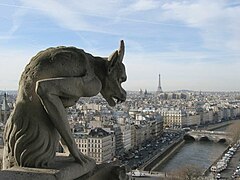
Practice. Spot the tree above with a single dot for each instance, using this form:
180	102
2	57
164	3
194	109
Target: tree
189	172
234	131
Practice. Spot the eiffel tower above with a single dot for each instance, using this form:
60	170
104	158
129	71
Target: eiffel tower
159	89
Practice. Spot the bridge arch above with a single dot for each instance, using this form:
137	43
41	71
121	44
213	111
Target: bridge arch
204	138
222	140
188	137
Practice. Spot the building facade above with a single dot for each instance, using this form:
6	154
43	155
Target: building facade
98	144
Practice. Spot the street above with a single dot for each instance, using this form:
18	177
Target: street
234	162
147	150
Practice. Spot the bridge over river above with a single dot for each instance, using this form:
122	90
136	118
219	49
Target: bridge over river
198	153
215	136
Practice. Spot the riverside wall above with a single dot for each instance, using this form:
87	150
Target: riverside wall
162	157
222	124
218	126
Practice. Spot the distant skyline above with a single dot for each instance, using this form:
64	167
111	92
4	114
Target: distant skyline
193	44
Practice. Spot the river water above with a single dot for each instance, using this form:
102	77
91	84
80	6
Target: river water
199	154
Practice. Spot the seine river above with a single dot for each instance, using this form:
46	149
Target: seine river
200	154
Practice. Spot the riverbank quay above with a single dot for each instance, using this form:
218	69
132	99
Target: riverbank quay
207	172
213	127
162	157
230	158
232	165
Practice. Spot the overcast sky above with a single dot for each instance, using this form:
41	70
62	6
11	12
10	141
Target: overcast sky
193	44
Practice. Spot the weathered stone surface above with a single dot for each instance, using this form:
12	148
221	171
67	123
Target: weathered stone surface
65	168
110	173
54	80
107	171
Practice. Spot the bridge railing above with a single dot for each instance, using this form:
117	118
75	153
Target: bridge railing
208	132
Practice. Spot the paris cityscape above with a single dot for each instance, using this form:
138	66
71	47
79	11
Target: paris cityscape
164	103
157	134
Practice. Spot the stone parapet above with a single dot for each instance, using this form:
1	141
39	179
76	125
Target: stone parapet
65	168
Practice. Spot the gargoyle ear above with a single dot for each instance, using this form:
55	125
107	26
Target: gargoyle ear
116	56
121	50
112	60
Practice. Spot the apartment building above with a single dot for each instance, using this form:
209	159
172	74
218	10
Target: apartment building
97	144
174	118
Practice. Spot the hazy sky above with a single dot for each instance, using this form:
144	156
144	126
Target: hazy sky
193	44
